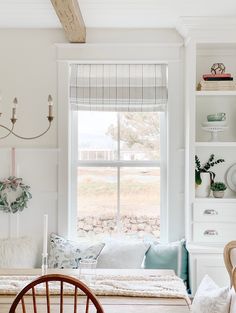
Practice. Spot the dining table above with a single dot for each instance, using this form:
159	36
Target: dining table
111	303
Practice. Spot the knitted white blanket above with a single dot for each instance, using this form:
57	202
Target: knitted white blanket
110	285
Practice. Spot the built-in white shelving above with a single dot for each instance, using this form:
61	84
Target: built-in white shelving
205	103
210	222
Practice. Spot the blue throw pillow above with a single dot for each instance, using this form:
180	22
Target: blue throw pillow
168	256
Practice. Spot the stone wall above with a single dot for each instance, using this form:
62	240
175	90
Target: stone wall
129	224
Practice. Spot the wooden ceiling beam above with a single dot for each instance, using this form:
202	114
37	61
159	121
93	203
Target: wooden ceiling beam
70	16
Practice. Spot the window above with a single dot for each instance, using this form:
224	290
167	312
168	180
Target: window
117	135
118	172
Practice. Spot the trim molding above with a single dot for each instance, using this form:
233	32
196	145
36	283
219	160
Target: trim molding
202	27
111	52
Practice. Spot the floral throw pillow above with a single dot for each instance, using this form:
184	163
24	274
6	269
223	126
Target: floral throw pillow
67	254
210	298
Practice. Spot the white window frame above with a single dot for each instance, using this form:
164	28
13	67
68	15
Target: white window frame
172	200
118	164
73	125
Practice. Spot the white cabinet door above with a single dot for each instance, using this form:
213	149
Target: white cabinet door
212	265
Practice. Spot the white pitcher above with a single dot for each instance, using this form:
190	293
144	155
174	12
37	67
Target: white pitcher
203	190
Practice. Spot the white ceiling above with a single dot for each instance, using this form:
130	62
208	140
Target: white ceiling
113	13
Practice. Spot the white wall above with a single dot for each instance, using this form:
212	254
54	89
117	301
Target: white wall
38	168
28	70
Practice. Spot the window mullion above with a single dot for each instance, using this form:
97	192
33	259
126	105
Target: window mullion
119	163
118	218
118	136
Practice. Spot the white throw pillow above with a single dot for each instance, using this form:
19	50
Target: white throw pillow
233	301
18	253
210	298
66	253
123	254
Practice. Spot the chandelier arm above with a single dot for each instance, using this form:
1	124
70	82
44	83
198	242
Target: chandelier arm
34	137
8	129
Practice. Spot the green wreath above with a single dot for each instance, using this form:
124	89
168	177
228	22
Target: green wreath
13	184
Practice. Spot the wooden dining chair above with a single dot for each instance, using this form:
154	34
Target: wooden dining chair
230	258
28	299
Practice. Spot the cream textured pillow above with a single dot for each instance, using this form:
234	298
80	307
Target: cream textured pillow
210	298
18	253
123	254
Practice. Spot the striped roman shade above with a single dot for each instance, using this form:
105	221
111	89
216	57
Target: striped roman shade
118	87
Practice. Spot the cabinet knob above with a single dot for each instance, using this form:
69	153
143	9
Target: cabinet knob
210	212
210	232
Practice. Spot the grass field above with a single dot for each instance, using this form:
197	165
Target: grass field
139	191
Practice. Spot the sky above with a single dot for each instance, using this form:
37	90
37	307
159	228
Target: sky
92	128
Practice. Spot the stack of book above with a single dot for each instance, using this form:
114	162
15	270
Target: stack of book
217	82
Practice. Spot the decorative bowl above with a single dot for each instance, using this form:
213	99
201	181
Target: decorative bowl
216	117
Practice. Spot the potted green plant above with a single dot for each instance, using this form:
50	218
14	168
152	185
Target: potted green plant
204	178
218	189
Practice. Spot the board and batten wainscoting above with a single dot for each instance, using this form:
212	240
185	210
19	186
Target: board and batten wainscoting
38	167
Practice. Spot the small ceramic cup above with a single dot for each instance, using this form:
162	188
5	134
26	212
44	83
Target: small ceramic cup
218	117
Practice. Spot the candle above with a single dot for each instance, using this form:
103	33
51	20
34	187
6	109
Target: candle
15	102
50	104
45	234
0	102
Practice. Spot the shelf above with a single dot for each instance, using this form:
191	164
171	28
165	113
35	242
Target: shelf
215	144
215	200
216	93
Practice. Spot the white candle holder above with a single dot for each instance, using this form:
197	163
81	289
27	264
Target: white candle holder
44	264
